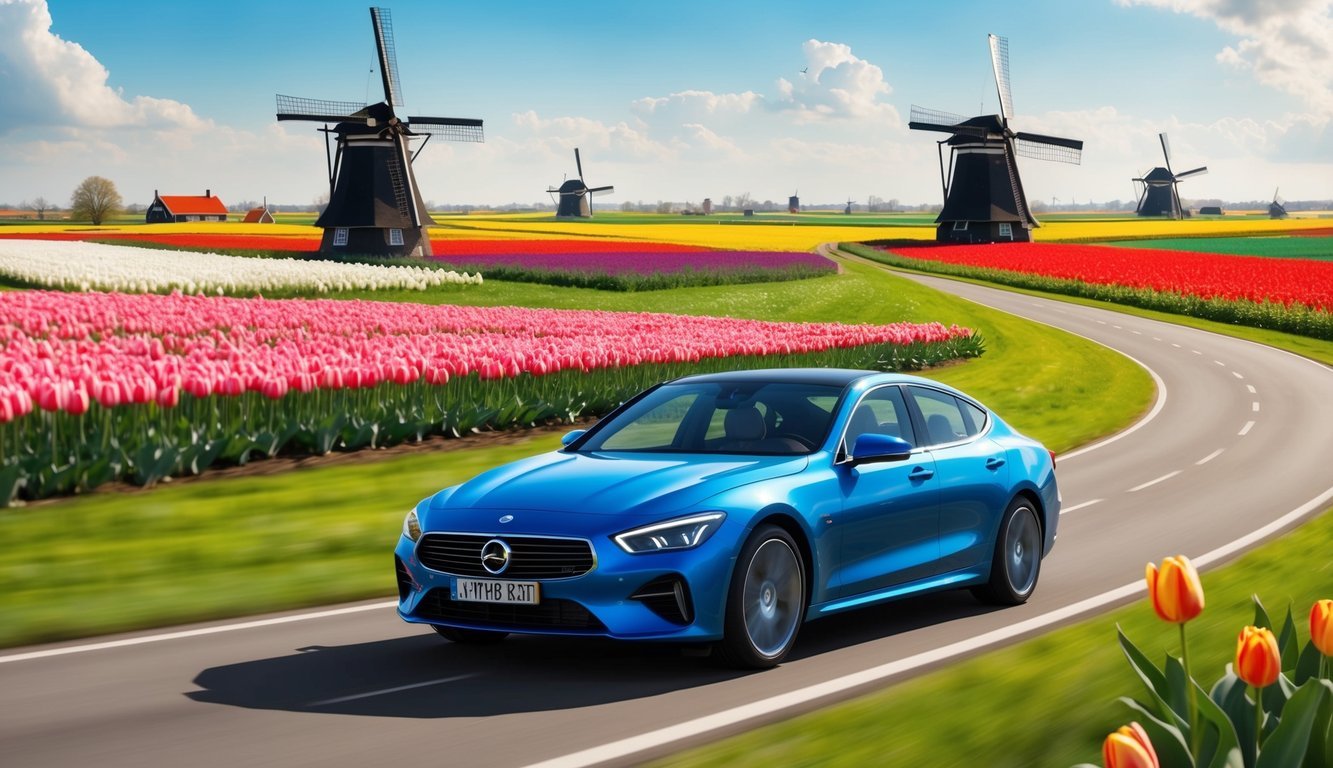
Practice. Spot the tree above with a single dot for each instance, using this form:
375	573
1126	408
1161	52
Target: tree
40	205
94	199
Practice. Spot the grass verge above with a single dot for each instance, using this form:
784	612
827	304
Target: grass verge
1048	701
215	548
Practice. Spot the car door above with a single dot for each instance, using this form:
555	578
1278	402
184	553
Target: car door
972	472
889	523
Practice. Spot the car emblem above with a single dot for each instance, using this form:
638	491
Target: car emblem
495	556
507	519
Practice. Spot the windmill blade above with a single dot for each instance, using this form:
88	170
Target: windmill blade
1166	150
999	60
319	110
1196	172
448	128
578	162
602	189
1045	150
923	119
382	20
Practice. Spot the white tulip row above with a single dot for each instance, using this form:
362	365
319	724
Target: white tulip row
81	266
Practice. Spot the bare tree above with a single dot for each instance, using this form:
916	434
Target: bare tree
40	205
94	199
743	201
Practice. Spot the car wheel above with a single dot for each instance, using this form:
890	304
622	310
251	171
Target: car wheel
1017	561
470	636
765	602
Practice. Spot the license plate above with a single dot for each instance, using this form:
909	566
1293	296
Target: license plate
495	591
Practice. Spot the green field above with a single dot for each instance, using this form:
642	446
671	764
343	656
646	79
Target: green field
224	546
1278	247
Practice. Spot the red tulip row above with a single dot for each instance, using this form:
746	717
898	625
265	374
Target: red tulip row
1206	275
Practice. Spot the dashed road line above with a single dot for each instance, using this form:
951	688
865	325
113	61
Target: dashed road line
1084	505
1219	362
1151	483
1177	346
1209	457
1195	351
1255	406
1237	374
1245	430
1250	387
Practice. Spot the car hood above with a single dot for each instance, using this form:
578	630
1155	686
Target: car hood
613	483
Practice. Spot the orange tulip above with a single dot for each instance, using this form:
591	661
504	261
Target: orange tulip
1257	660
1321	626
1129	747
1176	593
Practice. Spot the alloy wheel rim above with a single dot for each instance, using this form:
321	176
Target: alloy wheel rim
772	598
1022	551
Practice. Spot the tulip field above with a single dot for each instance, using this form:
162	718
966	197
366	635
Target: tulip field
1292	295
102	386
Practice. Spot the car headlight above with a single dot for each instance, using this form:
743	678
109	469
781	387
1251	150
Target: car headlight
412	526
685	533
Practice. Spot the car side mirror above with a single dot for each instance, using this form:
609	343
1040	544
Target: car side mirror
871	448
573	435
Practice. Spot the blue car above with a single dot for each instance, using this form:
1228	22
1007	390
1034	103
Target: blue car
730	508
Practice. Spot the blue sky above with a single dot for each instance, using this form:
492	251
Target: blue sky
675	102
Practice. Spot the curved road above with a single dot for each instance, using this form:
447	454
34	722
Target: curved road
1238	448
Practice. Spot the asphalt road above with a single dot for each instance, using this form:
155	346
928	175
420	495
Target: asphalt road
1238	448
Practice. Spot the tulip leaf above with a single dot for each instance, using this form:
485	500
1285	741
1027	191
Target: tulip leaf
1229	694
1320	751
1152	677
1276	696
1307	665
1261	618
10	481
1286	643
1288	744
1167	740
1177	688
1220	745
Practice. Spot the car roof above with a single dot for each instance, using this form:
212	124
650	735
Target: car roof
837	377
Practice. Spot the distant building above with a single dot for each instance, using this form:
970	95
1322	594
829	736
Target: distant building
793	204
169	208
1210	210
258	215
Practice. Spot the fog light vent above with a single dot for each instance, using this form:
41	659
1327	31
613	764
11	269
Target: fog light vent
669	597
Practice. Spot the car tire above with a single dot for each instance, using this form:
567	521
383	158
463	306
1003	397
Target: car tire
765	601
470	636
1017	560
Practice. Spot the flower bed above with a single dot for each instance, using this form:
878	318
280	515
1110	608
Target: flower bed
96	266
96	386
1292	295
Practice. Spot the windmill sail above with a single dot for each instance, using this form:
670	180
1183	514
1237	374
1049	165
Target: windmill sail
575	199
384	45
319	110
999	59
448	128
1160	197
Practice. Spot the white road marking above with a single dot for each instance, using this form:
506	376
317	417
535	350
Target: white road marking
1157	338
1195	351
1101	322
1177	346
1252	389
618	750
1118	328
1209	457
1255	406
385	691
1237	374
1245	430
1150	483
1138	333
1219	362
195	632
1081	506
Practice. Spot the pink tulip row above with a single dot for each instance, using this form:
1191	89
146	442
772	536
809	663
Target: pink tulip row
60	351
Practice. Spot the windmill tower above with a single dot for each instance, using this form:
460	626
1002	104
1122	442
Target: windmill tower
575	195
848	210
1159	195
983	194
1278	208
794	203
375	206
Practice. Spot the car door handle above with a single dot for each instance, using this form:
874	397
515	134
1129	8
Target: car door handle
994	463
920	473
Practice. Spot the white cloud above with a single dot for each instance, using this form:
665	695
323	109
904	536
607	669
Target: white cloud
836	84
685	105
1284	44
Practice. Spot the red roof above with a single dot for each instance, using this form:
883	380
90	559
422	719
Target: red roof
181	205
257	215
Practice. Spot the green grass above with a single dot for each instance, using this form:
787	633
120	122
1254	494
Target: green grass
1045	702
232	546
1280	247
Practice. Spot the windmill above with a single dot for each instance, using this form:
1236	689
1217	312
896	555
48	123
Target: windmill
374	205
1159	195
983	194
1278	208
575	195
794	203
848	210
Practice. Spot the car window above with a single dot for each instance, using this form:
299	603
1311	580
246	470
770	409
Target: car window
974	416
655	428
943	415
881	412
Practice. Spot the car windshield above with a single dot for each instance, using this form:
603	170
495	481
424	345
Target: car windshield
722	417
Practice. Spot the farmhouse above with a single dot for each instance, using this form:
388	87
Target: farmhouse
168	208
259	215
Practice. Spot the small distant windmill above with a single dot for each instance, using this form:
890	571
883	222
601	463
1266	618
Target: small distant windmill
794	203
983	195
1159	195
1278	208
374	205
575	195
848	210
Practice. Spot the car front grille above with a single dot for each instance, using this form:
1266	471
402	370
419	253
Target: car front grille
566	615
532	557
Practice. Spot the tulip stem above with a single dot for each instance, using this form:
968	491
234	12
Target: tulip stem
1258	719
1195	731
